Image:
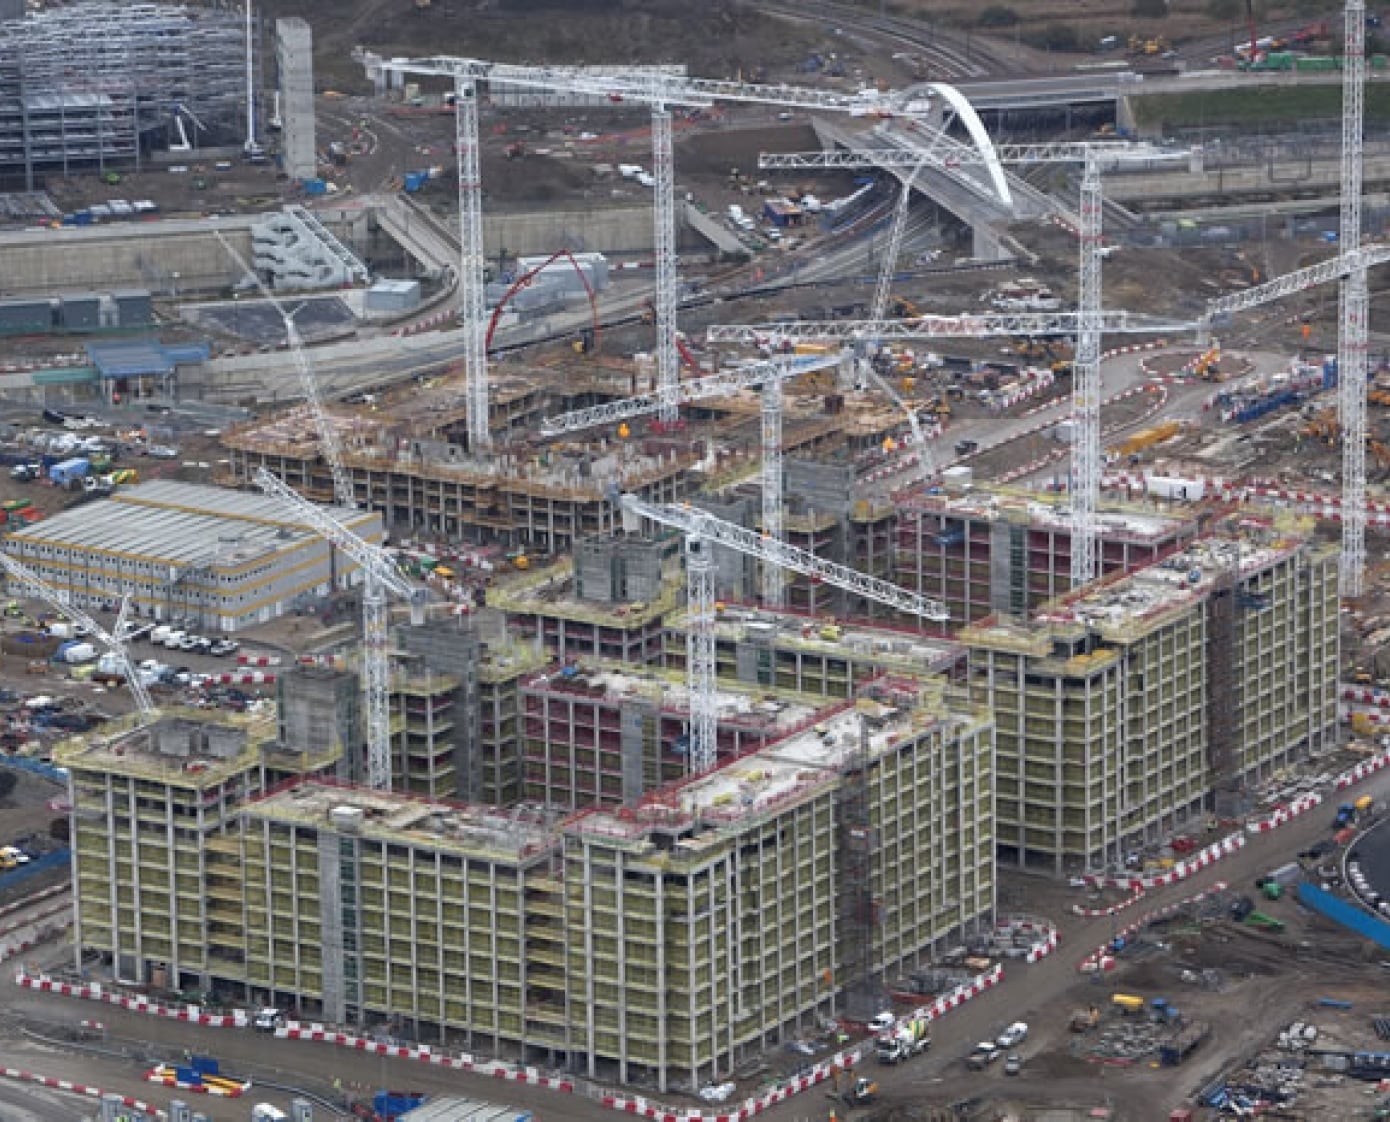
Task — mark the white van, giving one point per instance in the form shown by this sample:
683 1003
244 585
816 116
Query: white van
173 639
264 1112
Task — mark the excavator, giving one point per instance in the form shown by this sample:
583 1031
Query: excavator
1323 425
903 309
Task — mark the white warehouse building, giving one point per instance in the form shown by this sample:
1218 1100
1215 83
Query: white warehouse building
220 560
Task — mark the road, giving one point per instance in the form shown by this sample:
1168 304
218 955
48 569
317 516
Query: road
1028 993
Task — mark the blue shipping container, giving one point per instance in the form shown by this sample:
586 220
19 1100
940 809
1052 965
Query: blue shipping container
315 187
68 470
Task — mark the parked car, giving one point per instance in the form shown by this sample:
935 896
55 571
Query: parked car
1013 1064
221 647
1013 1036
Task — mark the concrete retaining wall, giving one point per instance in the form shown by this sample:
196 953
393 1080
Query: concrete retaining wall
607 230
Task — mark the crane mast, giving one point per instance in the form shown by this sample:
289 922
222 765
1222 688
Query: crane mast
1085 407
472 309
701 527
668 369
1353 326
772 486
381 575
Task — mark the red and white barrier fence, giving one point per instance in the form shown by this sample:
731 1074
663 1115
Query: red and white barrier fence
1282 814
1365 768
256 658
1103 958
1179 872
94 991
1113 909
424 1053
77 1089
40 935
1040 950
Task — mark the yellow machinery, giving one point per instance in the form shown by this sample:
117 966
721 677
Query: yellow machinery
1147 438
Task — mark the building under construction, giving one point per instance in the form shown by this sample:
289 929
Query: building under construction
988 551
409 464
663 942
99 83
1124 710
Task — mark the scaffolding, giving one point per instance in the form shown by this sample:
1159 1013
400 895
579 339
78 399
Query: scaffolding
96 82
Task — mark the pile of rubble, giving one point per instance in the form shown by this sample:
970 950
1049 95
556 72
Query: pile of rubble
1124 1041
1268 1084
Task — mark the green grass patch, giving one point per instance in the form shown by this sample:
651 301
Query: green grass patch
1265 105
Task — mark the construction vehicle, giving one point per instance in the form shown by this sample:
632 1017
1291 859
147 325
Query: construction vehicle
1323 425
861 1092
1084 1020
903 309
515 150
907 1040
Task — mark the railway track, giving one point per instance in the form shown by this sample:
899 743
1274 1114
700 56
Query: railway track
948 56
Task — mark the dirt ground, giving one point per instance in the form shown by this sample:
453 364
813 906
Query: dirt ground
1245 1009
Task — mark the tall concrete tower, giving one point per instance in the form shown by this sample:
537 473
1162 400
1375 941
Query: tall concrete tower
294 62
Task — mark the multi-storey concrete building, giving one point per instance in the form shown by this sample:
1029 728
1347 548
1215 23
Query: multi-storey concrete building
664 941
606 734
787 651
220 559
713 913
1127 707
995 551
553 607
156 862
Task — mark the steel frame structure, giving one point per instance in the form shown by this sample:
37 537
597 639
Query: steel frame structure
969 326
1353 320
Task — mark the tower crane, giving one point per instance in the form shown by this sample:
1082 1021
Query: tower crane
37 587
702 531
1299 280
660 93
878 310
769 375
329 444
383 575
376 665
1086 455
968 326
1353 332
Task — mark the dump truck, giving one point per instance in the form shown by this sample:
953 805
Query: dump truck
904 1042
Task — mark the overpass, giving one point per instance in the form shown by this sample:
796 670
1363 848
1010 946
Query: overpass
1110 87
965 191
